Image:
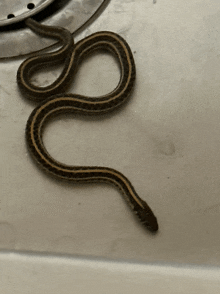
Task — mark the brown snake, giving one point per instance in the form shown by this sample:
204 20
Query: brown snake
52 104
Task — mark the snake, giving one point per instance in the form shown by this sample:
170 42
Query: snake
52 101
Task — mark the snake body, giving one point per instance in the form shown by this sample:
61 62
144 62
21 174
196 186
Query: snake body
54 102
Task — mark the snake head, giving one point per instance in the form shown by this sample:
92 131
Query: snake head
147 218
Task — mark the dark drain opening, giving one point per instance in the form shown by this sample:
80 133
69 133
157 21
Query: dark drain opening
52 9
10 16
30 6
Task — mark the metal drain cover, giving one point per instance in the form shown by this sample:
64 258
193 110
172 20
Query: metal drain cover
12 11
17 40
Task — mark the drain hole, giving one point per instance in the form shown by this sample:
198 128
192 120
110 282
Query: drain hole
10 16
30 6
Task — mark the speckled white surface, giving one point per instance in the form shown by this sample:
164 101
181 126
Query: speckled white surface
165 140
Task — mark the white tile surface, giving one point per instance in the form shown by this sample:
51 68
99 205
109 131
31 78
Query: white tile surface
165 140
24 273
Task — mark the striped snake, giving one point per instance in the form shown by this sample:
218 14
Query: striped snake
52 101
